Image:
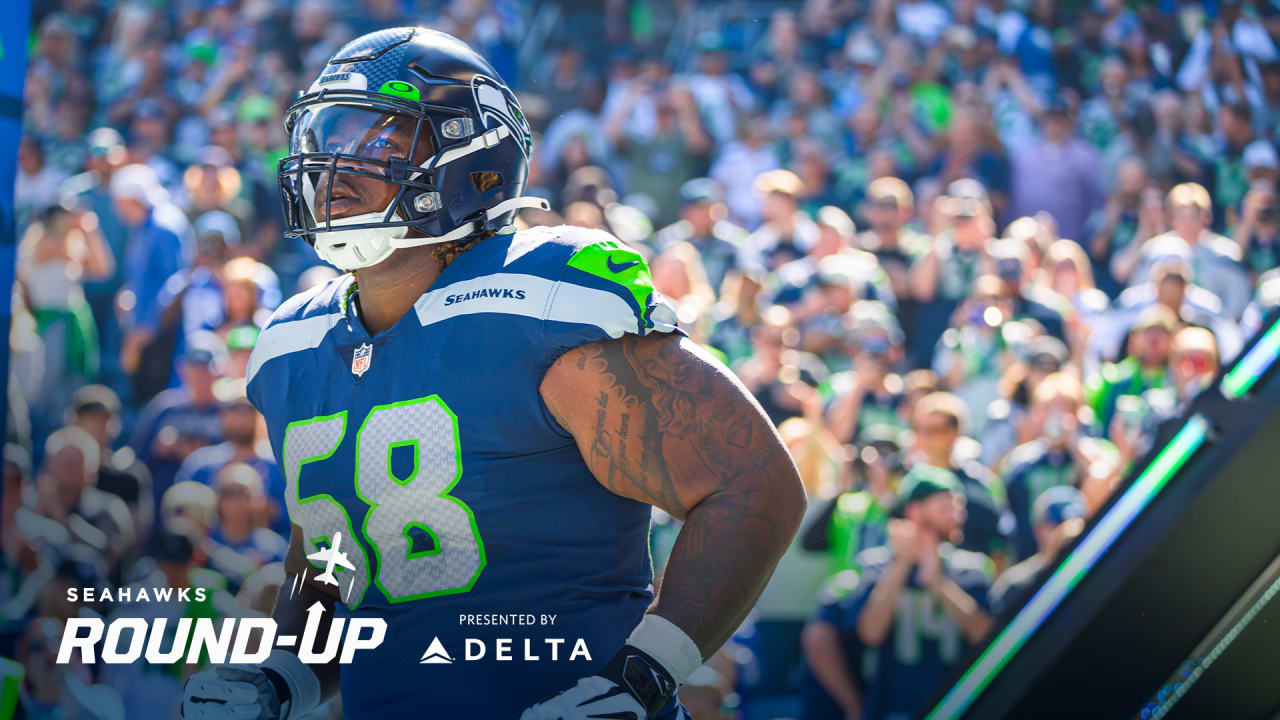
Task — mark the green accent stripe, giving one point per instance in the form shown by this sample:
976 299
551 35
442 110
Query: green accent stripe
1050 595
612 261
1241 378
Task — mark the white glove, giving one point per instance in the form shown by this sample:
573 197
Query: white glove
231 692
636 684
591 697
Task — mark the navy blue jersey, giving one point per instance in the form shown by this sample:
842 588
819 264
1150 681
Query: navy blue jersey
924 642
430 447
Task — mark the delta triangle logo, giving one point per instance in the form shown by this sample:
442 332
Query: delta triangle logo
435 654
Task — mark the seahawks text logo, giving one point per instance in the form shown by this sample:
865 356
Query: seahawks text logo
495 101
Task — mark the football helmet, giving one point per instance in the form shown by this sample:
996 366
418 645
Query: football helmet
407 137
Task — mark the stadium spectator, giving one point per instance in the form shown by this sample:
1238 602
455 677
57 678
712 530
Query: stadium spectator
182 419
1258 232
704 223
1145 365
1058 516
1059 175
1194 362
1215 260
939 420
57 252
786 234
944 275
66 492
96 409
38 185
889 207
871 393
1054 457
158 246
242 446
919 569
238 545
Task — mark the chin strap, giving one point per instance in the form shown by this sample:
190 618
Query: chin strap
471 228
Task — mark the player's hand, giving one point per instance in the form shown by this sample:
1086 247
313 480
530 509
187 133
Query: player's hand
231 692
633 686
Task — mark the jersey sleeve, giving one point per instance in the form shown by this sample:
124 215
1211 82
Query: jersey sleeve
605 291
299 324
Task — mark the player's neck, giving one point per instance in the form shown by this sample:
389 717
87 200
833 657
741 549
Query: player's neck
389 289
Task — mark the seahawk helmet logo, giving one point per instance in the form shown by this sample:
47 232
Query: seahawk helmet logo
362 359
494 100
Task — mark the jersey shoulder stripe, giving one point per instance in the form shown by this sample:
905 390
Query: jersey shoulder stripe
300 323
568 276
531 296
592 262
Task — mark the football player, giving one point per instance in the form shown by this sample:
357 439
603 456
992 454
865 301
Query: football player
486 416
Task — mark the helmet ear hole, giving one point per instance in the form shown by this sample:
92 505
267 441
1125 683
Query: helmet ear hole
486 181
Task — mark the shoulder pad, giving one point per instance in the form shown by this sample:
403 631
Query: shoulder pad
300 323
318 300
600 261
602 287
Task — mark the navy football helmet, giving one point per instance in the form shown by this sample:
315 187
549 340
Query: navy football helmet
423 114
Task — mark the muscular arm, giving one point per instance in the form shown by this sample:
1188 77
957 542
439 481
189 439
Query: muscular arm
659 421
290 612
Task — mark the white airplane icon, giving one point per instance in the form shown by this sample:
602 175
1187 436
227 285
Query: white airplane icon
331 556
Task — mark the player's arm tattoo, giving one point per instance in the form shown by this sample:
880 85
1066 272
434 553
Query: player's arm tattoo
659 421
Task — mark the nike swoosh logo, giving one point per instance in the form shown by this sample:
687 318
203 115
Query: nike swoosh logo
619 267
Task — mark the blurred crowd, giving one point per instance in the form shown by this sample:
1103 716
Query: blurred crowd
966 255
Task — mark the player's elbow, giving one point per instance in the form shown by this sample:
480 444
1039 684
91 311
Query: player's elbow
787 500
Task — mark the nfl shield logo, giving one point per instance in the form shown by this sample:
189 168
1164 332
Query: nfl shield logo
361 360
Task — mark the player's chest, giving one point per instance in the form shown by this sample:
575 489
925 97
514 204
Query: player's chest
473 385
